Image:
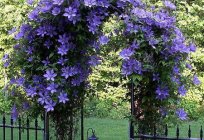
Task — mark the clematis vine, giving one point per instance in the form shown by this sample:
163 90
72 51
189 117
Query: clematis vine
58 46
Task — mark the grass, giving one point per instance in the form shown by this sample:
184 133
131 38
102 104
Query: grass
109 129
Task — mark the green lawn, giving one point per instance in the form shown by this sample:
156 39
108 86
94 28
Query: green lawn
109 129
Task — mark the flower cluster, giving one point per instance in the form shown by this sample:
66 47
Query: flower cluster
57 48
55 52
156 50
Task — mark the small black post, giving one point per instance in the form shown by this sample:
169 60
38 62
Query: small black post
11 128
4 127
28 125
189 132
46 126
82 120
155 130
166 130
19 128
201 132
132 110
36 129
177 132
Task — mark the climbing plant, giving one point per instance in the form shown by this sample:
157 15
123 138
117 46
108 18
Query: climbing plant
59 42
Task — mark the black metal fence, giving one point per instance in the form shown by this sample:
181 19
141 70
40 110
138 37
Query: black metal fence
165 136
21 128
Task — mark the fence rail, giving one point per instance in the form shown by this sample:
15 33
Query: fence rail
156 136
20 128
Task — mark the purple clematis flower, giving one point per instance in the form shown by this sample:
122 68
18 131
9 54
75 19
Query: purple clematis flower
181 114
56 11
169 5
30 2
126 53
162 93
62 61
182 90
69 71
192 47
90 3
58 2
43 98
50 75
49 105
103 40
31 91
52 87
20 81
63 98
196 81
70 13
63 49
14 113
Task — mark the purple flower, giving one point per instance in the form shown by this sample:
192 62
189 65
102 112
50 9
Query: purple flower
126 53
131 65
169 5
26 106
63 39
43 98
176 70
13 30
162 92
94 60
46 62
181 114
45 6
6 64
52 87
33 15
50 75
90 3
12 81
62 61
20 81
29 50
56 11
41 31
189 66
48 43
5 57
103 40
69 71
175 79
31 91
63 98
58 2
70 13
63 49
134 45
14 113
30 2
49 106
103 3
30 59
192 47
196 81
182 90
156 77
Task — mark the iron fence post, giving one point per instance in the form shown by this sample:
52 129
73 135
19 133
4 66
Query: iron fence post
46 126
132 110
82 120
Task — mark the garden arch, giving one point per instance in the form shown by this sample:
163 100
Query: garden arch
52 62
